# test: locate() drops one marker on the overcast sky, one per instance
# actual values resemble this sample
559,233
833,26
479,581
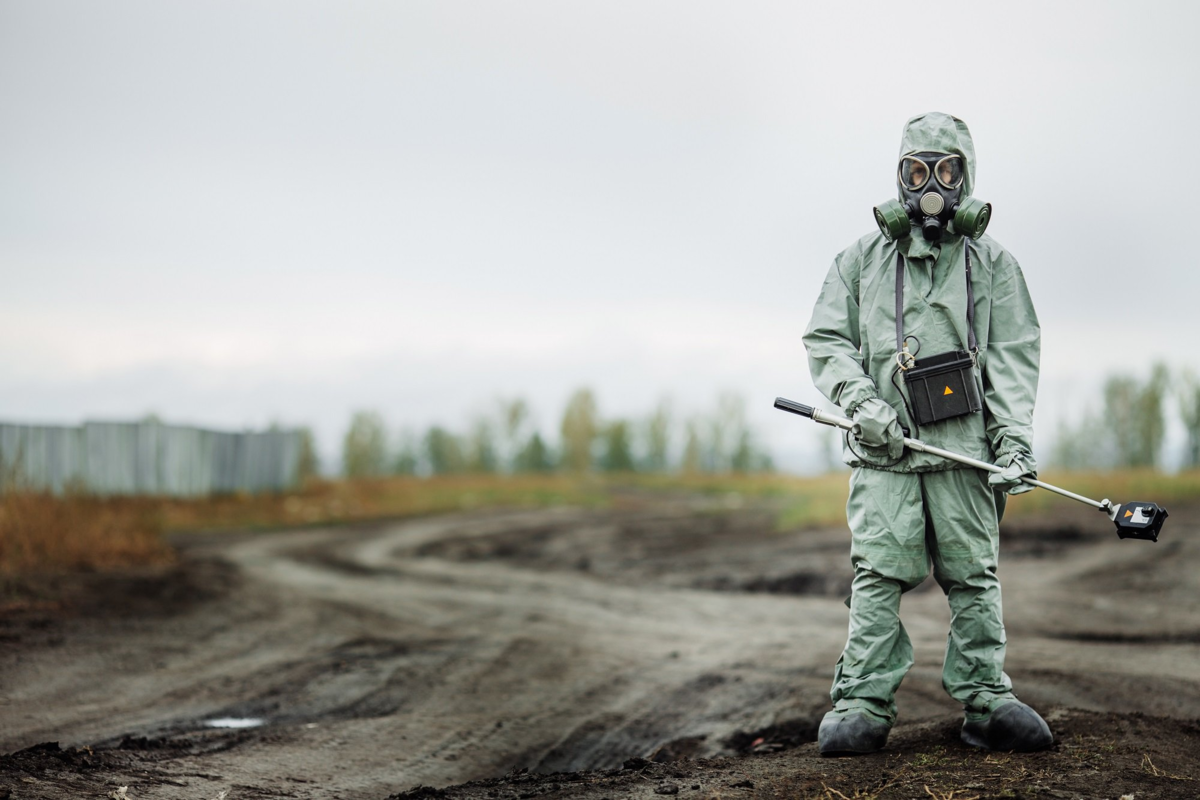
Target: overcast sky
233,213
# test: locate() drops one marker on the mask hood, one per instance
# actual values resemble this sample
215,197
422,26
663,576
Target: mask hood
941,133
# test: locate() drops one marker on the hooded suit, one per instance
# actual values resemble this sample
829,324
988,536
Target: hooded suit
921,511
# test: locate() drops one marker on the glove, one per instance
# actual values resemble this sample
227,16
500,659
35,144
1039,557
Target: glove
876,427
1016,464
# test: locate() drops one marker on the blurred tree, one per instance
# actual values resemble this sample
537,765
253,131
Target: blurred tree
1133,413
618,447
693,447
514,418
748,456
579,428
1121,411
658,438
407,458
308,467
729,433
481,447
364,450
744,458
1188,397
1081,445
534,456
1153,411
444,452
1128,432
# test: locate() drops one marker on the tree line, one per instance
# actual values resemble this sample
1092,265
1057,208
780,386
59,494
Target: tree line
505,440
1129,428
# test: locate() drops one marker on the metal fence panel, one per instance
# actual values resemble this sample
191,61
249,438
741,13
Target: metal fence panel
147,458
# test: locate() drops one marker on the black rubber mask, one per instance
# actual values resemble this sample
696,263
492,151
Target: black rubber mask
930,188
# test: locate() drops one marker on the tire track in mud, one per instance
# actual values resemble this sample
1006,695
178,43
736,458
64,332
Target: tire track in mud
598,669
373,663
447,649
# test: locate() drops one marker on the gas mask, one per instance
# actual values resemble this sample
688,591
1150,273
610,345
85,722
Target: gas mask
931,197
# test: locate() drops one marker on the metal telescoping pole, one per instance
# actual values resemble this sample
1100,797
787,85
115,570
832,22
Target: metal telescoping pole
825,418
916,444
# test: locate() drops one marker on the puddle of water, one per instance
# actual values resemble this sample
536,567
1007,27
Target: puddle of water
234,722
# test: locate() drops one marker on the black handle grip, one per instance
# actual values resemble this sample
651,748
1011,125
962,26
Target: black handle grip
783,404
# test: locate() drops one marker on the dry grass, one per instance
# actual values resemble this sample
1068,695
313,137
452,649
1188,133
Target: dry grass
43,533
327,502
1144,485
804,501
1148,766
822,500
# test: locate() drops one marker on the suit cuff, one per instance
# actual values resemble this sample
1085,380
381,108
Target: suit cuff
853,405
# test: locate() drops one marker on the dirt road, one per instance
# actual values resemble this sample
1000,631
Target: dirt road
356,663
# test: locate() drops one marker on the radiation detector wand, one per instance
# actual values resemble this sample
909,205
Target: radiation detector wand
1134,520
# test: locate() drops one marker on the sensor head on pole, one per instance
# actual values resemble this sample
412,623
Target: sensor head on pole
1139,521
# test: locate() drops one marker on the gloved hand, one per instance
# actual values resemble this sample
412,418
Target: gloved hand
1017,464
876,426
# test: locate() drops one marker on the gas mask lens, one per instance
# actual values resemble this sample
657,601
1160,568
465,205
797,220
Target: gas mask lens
914,173
949,172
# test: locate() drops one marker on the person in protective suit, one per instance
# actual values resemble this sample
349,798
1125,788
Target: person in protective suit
909,510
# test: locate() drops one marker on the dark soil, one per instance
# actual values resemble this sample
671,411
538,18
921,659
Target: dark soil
563,653
1095,755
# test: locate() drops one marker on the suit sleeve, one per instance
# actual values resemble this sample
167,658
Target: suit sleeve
832,340
1010,375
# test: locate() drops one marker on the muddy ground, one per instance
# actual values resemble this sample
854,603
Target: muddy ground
669,646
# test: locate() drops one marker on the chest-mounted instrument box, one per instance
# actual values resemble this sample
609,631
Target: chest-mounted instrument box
943,386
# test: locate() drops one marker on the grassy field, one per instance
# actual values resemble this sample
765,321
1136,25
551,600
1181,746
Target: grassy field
43,533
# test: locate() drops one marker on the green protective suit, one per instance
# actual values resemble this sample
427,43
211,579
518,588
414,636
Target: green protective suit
925,510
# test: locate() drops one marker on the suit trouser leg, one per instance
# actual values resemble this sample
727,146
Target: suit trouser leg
965,552
887,523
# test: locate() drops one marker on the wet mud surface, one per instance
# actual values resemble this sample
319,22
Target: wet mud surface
665,648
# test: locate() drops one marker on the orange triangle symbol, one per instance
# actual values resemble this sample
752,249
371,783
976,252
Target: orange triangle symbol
947,391
1129,513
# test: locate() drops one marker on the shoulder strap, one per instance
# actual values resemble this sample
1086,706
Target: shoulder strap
972,344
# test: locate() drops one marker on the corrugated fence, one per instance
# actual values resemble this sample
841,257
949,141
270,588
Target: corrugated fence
147,458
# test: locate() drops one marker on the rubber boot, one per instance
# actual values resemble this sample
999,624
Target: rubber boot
851,735
1012,726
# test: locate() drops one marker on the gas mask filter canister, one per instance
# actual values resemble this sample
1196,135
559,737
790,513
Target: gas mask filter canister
931,191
